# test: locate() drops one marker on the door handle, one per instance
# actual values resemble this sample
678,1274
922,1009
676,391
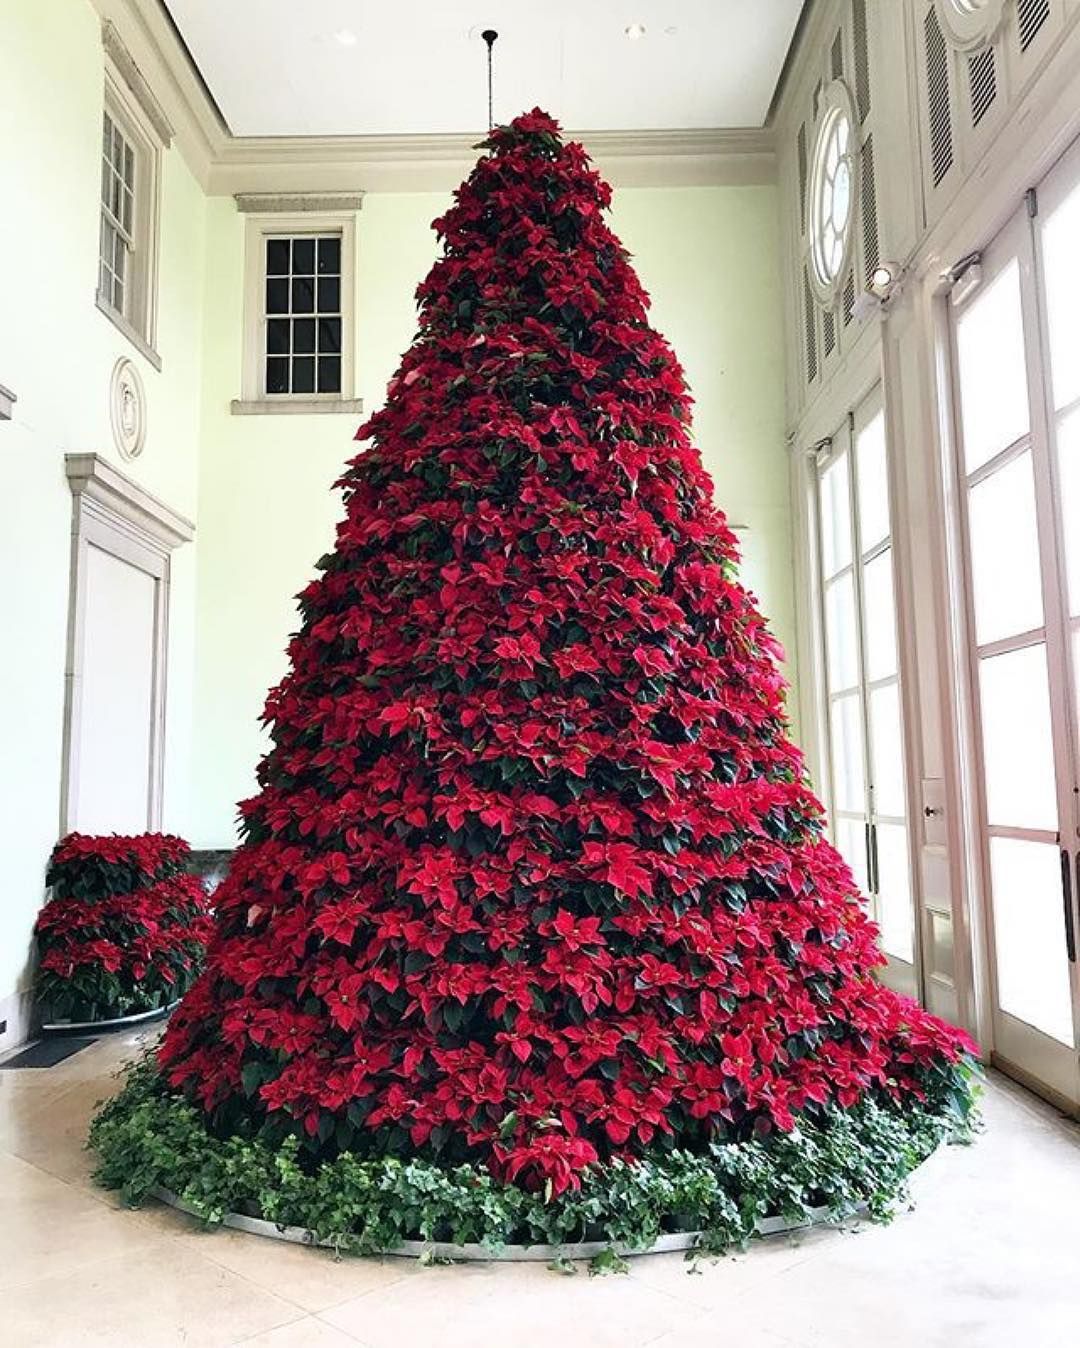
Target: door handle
876,882
1066,899
869,858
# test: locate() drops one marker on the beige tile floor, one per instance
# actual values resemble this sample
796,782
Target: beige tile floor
989,1258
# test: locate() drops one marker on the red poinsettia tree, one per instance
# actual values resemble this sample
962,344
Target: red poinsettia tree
534,877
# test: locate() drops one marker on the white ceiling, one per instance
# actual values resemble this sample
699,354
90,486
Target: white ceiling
277,68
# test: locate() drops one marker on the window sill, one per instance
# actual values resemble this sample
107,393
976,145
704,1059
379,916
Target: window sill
134,337
256,407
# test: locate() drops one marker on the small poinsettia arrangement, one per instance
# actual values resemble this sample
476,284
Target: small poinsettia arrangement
125,930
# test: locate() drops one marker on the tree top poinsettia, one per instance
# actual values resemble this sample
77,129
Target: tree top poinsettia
534,876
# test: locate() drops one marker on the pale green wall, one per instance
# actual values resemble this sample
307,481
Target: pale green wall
56,353
266,514
259,488
708,256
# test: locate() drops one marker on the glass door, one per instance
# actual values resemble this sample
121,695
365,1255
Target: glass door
1017,634
865,730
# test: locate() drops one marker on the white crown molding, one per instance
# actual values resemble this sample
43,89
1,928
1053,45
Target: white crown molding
302,203
227,165
803,67
128,70
93,478
146,33
409,163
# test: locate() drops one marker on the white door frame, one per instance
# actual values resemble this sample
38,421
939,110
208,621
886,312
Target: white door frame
113,513
1038,1059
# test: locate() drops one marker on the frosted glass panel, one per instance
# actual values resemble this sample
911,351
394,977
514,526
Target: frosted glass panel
894,908
841,638
887,750
1029,935
851,844
873,483
1068,439
993,378
1017,742
1061,265
1005,553
849,785
879,618
835,516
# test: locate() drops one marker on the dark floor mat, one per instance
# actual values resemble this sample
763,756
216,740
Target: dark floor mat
46,1053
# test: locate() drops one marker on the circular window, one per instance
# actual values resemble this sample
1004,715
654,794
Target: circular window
833,181
970,23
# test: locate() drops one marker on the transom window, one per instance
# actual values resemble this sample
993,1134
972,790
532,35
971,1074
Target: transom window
117,216
832,192
303,314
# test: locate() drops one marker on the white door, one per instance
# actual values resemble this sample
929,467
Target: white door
117,720
865,731
1016,448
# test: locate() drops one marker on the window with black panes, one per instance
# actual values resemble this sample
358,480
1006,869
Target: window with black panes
303,314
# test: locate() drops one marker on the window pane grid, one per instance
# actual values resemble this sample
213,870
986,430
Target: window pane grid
117,215
862,693
302,314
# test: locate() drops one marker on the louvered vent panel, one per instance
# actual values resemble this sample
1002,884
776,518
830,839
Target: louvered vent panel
810,329
938,112
862,59
982,83
848,303
828,325
836,58
1031,15
868,189
801,155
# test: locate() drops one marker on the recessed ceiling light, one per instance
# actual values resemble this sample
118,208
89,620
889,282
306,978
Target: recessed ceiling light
634,31
345,37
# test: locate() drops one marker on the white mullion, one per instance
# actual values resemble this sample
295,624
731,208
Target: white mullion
1001,459
885,681
879,549
1034,636
821,466
860,633
1020,834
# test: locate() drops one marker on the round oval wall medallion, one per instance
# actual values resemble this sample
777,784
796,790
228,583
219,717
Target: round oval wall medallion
834,187
127,409
970,23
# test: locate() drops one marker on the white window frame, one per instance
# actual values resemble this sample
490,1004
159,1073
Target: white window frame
837,105
270,223
138,322
819,695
